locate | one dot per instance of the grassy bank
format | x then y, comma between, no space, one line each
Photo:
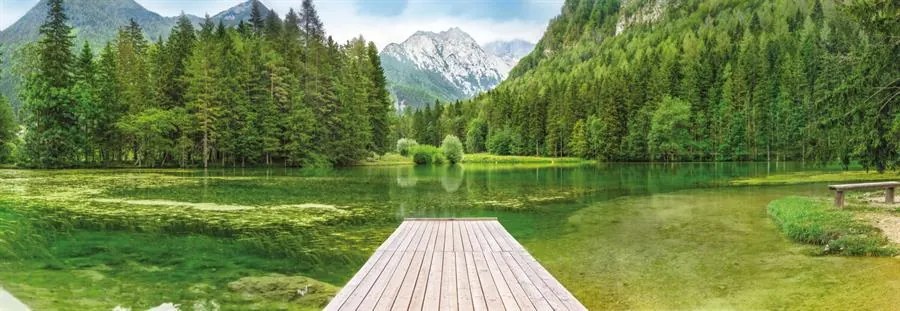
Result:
507,159
815,221
816,177
475,158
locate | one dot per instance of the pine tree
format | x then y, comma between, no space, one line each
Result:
85,93
312,26
108,108
257,22
201,91
380,104
52,138
578,145
175,55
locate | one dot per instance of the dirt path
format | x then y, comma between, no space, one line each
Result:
889,224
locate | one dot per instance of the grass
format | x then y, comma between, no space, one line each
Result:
816,177
510,159
388,159
816,222
391,159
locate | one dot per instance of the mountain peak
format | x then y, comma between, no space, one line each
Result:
448,65
238,13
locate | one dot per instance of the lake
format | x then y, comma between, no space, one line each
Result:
619,236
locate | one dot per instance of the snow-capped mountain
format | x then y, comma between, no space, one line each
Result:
510,51
446,66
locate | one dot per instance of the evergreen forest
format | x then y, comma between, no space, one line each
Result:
271,90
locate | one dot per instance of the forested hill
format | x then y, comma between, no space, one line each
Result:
704,80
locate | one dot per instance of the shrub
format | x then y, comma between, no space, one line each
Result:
452,149
816,222
426,154
404,145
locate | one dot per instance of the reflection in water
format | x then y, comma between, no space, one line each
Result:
406,176
452,178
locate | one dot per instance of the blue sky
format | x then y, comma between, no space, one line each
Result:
382,21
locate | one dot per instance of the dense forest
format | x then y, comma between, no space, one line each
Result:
265,91
704,80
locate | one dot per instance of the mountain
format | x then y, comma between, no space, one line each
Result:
444,66
241,12
96,22
510,51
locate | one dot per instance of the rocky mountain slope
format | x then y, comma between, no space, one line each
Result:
445,66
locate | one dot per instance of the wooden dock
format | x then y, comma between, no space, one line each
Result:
453,264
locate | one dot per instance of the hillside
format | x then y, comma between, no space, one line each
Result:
704,80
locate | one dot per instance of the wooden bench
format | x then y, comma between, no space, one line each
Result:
888,187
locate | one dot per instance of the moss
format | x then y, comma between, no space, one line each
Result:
297,290
816,222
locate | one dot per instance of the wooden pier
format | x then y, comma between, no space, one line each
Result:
453,264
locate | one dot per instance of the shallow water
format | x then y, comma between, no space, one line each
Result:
619,236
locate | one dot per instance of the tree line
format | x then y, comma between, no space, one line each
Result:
270,90
703,80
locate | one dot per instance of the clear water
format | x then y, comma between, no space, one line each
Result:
619,236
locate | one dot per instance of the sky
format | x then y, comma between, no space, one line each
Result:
382,21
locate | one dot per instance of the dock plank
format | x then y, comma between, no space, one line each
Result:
452,264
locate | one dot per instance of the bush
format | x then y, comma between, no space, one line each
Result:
816,222
426,154
404,145
452,149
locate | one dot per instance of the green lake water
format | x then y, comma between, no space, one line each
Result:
619,236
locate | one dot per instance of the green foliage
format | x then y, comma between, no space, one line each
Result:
670,132
282,92
817,222
8,130
578,144
504,142
476,136
404,145
452,149
427,154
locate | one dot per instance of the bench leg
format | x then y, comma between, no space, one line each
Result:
889,195
839,199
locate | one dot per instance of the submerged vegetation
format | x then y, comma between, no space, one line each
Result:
816,177
815,221
246,239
